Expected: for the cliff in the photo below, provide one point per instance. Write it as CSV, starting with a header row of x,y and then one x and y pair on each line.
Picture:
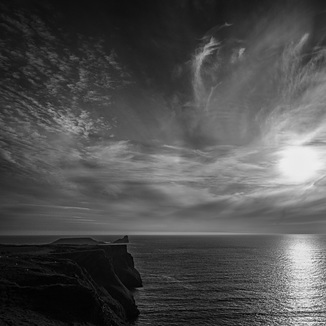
x,y
123,264
67,284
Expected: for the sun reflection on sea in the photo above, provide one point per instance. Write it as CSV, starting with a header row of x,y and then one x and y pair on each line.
x,y
305,277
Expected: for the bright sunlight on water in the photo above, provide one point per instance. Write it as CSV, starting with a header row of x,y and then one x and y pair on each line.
x,y
306,292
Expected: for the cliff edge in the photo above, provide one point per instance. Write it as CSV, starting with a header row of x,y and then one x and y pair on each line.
x,y
64,284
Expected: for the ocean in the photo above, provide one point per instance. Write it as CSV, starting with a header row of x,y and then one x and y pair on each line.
x,y
231,280
228,280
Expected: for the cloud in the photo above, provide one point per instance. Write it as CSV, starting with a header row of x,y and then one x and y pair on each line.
x,y
70,155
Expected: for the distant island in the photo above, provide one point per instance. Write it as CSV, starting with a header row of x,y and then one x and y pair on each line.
x,y
77,241
71,281
87,241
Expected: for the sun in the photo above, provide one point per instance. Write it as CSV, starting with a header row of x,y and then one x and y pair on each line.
x,y
299,163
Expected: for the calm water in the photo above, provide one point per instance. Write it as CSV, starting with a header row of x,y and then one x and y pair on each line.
x,y
229,280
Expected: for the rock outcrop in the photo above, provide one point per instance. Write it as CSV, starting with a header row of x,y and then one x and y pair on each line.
x,y
64,285
125,239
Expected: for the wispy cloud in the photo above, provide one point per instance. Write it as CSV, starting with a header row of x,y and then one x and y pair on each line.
x,y
67,161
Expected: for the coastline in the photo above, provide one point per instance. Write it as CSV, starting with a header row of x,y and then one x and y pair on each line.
x,y
61,284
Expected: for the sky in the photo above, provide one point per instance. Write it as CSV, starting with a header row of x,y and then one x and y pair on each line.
x,y
162,116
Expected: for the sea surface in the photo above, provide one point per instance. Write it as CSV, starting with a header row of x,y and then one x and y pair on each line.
x,y
228,279
231,280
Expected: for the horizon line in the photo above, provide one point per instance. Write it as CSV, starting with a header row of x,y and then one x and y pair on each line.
x,y
149,233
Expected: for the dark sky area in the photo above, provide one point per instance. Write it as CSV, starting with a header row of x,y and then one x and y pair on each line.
x,y
162,116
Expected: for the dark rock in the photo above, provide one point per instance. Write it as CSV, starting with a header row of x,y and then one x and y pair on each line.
x,y
67,284
59,290
125,239
98,264
124,266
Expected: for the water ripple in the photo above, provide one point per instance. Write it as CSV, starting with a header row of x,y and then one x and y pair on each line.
x,y
231,280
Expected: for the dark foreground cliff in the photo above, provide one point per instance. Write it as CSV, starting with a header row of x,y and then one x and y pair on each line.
x,y
67,284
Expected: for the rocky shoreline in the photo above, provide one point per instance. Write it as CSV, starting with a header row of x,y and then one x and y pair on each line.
x,y
81,282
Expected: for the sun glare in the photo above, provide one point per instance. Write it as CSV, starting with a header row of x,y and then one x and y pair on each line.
x,y
299,164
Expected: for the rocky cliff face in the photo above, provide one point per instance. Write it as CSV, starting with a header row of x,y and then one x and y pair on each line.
x,y
123,264
67,284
